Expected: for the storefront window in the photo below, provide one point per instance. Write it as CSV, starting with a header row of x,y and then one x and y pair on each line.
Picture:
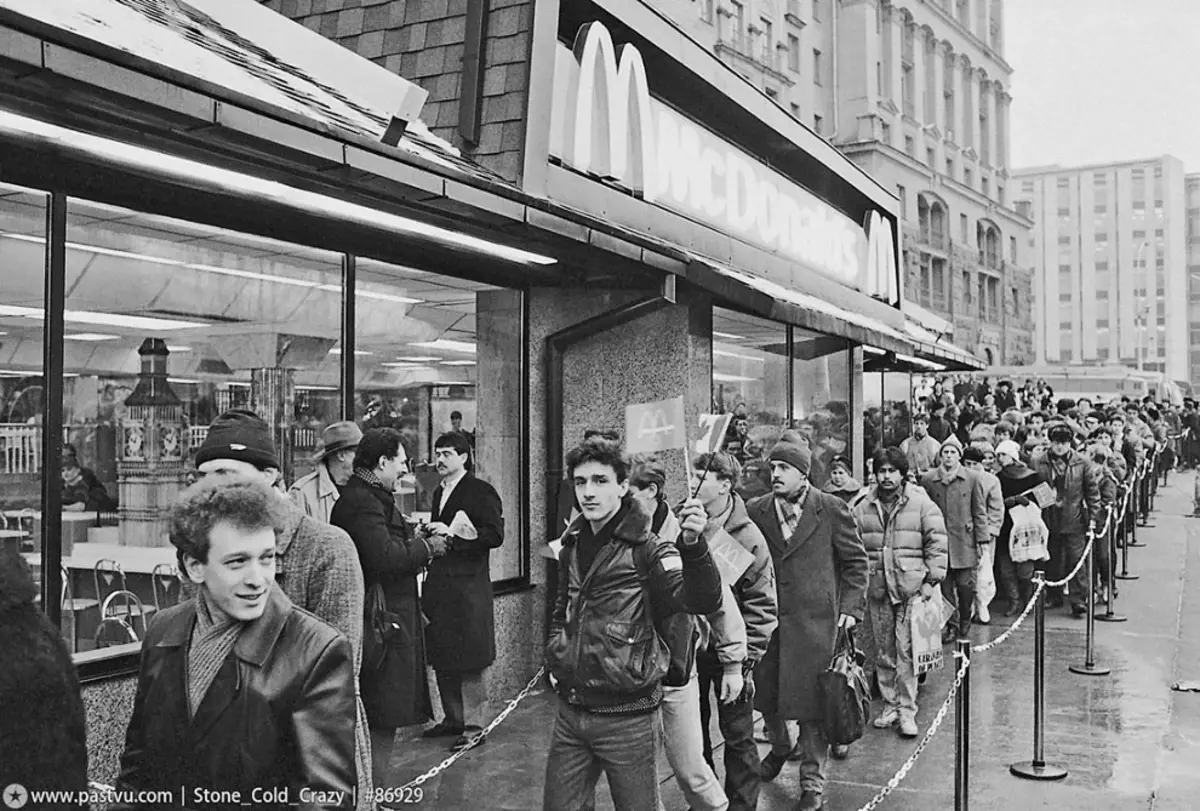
x,y
886,410
821,369
22,316
750,381
168,324
434,354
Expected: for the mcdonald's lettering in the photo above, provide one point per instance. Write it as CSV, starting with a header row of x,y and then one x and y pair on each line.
x,y
610,127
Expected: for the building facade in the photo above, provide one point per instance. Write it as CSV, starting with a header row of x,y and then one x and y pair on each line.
x,y
1113,284
917,95
1192,193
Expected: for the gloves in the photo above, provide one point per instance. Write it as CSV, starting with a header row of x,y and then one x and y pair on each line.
x,y
1017,501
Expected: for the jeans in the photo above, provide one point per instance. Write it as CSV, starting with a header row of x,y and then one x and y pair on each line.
x,y
584,745
814,749
685,748
1072,546
892,626
959,590
464,697
743,768
1015,578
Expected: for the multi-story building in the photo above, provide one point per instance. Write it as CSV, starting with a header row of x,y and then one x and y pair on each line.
x,y
1192,184
1110,244
916,94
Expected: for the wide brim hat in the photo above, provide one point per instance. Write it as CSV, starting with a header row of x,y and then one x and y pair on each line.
x,y
339,436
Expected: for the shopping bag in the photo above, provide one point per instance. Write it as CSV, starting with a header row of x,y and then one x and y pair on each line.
x,y
927,617
462,527
845,694
1030,536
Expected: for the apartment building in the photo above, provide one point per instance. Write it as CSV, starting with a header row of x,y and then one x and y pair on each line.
x,y
1192,194
917,94
1111,245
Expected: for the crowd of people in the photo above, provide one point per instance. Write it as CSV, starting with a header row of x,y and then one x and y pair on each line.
x,y
304,643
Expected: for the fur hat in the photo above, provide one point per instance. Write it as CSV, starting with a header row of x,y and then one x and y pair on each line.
x,y
794,454
242,435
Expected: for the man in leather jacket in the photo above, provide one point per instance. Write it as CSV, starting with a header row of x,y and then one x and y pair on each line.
x,y
605,658
266,714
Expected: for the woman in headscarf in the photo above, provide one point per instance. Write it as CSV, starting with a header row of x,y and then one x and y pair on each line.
x,y
841,483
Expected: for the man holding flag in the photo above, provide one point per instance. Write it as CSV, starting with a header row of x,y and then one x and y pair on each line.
x,y
733,539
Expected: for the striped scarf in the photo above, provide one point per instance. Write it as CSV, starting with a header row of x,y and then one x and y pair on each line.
x,y
212,642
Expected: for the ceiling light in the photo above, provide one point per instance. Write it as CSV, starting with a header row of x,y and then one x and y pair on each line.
x,y
718,377
371,294
458,363
722,353
181,380
91,336
178,348
317,388
728,335
418,358
133,322
397,365
448,345
224,181
357,352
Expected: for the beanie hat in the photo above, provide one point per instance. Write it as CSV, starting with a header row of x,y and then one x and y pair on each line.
x,y
794,454
1009,448
972,453
242,435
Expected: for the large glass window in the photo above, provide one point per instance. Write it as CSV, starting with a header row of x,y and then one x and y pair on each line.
x,y
821,370
437,354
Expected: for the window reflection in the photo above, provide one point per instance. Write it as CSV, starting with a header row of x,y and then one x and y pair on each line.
x,y
821,369
887,413
435,354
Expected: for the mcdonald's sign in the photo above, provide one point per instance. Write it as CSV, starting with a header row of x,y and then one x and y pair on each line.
x,y
606,124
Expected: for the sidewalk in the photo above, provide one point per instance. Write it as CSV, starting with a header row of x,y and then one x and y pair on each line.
x,y
1128,741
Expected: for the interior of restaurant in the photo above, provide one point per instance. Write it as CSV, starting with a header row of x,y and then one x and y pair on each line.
x,y
245,321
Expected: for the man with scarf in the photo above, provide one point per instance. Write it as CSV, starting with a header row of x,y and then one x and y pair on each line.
x,y
240,690
821,576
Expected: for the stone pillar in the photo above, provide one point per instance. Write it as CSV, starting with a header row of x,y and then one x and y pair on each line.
x,y
1002,131
150,452
896,31
938,67
273,397
970,103
920,65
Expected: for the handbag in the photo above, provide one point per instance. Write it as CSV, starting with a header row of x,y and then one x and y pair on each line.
x,y
845,694
380,626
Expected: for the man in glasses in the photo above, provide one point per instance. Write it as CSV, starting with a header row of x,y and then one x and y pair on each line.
x,y
316,564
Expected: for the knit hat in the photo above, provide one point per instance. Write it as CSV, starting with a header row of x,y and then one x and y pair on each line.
x,y
794,454
242,435
951,440
1009,448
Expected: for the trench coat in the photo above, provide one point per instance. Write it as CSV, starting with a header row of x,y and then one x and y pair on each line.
x,y
397,694
457,597
820,573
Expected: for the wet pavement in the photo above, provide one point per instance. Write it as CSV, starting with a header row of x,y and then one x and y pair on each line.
x,y
1127,740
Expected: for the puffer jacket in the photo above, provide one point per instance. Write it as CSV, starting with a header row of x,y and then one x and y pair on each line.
x,y
603,650
1078,492
755,589
685,634
906,545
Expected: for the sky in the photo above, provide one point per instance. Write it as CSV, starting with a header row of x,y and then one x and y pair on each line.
x,y
1096,81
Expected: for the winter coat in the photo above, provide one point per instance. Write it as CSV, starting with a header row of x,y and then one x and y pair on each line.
x,y
755,589
905,542
604,651
397,693
43,732
457,597
922,453
278,715
1078,492
994,501
821,573
1015,480
847,492
963,503
315,493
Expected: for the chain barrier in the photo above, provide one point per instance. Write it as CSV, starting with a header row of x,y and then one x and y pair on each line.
x,y
936,724
471,744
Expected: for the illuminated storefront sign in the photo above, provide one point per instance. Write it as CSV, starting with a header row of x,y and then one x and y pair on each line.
x,y
606,124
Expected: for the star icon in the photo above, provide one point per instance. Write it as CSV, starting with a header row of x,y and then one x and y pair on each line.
x,y
15,796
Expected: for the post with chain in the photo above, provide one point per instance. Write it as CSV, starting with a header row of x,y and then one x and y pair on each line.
x,y
1123,528
1134,506
962,729
1038,768
1144,490
1089,667
1110,583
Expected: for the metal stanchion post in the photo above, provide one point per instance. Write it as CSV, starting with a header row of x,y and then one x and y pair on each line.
x,y
962,730
1110,590
1038,768
1145,494
1134,494
1089,668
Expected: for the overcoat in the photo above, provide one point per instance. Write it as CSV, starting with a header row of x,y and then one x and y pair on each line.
x,y
457,597
820,572
397,694
963,502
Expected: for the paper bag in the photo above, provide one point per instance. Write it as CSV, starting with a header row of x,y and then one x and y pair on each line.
x,y
461,527
926,619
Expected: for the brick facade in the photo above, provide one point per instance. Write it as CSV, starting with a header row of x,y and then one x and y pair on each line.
x,y
423,40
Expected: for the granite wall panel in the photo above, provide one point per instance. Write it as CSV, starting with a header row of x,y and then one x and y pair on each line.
x,y
108,705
